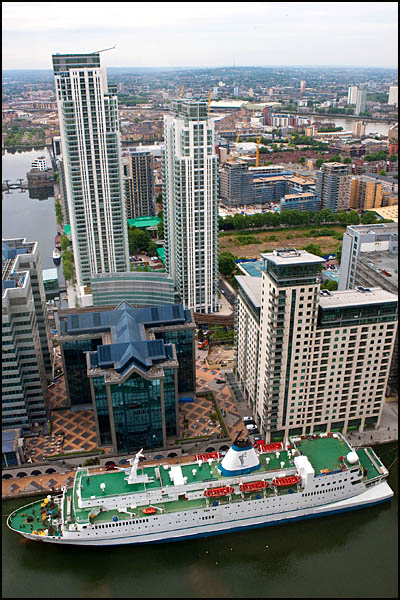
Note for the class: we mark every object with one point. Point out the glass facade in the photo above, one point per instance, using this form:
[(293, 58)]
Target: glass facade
[(136, 406), (183, 341), (76, 369)]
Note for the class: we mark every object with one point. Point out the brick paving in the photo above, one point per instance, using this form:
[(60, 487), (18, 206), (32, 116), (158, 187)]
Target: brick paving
[(73, 431)]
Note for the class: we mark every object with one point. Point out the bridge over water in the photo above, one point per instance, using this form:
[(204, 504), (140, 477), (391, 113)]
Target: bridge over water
[(21, 184)]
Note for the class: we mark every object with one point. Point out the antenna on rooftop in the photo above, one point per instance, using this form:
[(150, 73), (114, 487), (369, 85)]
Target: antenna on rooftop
[(105, 49)]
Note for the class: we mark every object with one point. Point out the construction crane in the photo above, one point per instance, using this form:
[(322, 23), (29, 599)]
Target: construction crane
[(234, 153), (258, 140), (181, 92), (209, 102)]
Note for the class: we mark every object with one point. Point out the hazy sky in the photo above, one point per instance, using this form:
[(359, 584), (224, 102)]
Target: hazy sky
[(202, 33)]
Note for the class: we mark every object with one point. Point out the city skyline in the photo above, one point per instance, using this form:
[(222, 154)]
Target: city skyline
[(258, 34)]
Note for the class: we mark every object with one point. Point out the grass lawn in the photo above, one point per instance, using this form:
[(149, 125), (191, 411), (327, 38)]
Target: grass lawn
[(286, 238)]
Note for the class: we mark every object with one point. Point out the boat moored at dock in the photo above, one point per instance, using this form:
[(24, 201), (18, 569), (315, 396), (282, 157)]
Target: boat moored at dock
[(308, 476)]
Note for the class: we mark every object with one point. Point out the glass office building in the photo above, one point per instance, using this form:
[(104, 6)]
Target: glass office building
[(133, 363)]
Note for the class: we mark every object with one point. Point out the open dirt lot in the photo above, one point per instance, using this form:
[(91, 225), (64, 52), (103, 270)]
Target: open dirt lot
[(288, 238)]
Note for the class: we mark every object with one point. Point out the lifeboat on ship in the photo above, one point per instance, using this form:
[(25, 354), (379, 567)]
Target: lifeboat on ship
[(286, 481), (149, 511), (276, 446), (253, 486), (207, 455), (218, 492)]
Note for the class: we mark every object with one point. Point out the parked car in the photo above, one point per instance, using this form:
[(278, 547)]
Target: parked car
[(251, 427), (249, 420)]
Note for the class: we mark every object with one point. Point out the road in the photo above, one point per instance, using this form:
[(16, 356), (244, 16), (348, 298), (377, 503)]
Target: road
[(228, 292)]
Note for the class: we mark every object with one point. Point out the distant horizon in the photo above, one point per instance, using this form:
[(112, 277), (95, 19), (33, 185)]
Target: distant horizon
[(206, 33), (171, 67)]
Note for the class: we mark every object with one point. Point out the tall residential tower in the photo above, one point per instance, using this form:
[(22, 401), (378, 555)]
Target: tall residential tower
[(87, 109), (190, 203)]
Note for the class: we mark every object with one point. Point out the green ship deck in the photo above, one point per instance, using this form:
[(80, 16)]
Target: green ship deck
[(323, 454)]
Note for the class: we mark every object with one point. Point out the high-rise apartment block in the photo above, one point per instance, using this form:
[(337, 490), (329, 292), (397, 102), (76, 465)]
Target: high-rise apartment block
[(361, 99), (333, 186), (365, 193), (25, 349), (139, 184), (132, 366), (370, 256), (393, 95), (359, 129), (311, 360), (352, 94), (88, 117), (359, 241), (302, 86), (190, 204)]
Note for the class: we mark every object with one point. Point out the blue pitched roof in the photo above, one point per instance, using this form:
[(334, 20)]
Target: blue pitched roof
[(128, 332)]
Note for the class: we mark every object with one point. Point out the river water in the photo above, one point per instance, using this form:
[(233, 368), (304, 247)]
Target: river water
[(348, 124), (352, 555), (23, 216)]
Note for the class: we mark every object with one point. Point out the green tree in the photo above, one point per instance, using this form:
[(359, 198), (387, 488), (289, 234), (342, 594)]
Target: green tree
[(200, 335), (227, 263), (301, 160), (160, 230), (393, 158), (369, 217), (64, 242), (152, 248), (347, 160), (319, 162), (138, 240), (313, 249), (330, 285), (383, 172)]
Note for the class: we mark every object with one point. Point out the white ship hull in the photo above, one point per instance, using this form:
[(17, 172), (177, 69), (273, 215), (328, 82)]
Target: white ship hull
[(221, 519)]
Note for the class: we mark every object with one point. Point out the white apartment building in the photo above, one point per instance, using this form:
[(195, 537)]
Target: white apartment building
[(393, 95), (190, 204), (323, 357), (352, 94), (88, 117), (361, 100)]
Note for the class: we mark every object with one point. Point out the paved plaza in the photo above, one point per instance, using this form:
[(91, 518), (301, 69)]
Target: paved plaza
[(74, 431)]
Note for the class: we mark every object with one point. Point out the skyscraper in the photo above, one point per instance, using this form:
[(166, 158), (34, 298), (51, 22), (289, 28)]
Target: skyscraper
[(333, 186), (311, 361), (139, 185), (361, 99), (190, 204), (25, 350), (352, 94), (87, 109), (393, 95)]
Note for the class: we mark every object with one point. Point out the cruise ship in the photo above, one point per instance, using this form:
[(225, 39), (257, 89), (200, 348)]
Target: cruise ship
[(213, 493)]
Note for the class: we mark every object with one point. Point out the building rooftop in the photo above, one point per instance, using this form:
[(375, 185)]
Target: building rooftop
[(50, 275), (388, 212), (141, 222), (355, 297), (291, 256), (299, 195), (252, 288), (124, 332), (384, 263), (376, 228)]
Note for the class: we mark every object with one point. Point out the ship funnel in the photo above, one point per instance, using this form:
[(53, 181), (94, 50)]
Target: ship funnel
[(240, 459)]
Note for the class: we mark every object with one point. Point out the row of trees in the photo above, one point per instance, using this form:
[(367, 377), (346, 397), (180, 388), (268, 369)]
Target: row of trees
[(294, 217)]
